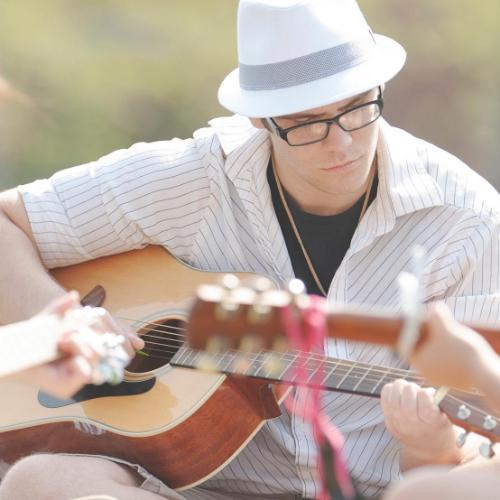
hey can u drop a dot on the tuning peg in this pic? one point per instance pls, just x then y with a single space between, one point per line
260 308
227 306
463 412
261 284
230 281
486 450
461 439
296 287
489 423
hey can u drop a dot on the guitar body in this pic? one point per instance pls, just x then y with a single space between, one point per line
176 422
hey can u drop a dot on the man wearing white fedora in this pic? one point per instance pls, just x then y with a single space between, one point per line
314 185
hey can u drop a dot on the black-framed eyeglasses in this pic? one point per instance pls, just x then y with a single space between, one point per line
315 131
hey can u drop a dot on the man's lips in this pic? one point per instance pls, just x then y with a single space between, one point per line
341 165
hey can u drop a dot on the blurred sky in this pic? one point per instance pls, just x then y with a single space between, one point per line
96 75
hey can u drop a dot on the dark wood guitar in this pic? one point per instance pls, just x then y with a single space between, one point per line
183 425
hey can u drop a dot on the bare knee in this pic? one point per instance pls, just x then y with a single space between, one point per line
21 478
417 485
443 484
50 477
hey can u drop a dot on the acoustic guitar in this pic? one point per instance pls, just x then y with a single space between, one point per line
183 425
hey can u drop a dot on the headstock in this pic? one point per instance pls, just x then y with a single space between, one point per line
471 413
251 314
236 316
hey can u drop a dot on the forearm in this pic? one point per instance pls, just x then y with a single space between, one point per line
487 379
25 285
411 459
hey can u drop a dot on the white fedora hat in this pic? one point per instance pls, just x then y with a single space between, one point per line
296 55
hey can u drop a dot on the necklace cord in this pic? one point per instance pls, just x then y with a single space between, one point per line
296 232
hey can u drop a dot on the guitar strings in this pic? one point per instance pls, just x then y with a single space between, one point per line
181 337
479 412
356 369
290 355
365 371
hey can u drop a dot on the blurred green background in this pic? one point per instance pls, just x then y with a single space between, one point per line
96 75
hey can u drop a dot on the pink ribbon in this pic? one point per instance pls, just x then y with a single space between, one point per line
307 335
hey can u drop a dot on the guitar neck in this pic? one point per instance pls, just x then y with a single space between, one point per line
329 373
462 408
382 329
243 318
28 343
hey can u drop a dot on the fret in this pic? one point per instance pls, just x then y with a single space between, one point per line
289 366
274 376
192 357
331 372
346 375
314 369
352 379
231 355
258 361
338 373
375 388
293 379
393 374
411 376
253 357
362 378
187 357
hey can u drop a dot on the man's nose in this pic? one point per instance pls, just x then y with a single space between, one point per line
337 139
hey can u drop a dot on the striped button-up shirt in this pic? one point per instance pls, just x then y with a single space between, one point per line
207 200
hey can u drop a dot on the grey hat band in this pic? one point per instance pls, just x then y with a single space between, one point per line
306 68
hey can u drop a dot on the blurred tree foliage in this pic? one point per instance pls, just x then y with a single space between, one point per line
97 75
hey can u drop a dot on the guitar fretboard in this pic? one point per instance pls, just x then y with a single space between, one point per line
318 370
337 375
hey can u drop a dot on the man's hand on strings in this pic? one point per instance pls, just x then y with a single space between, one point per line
416 421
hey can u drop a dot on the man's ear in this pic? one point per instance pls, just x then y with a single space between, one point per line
258 122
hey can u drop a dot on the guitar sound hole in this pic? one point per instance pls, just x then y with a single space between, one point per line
163 339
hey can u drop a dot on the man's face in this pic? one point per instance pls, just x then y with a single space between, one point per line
339 165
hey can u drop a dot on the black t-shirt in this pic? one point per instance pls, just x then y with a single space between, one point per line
325 237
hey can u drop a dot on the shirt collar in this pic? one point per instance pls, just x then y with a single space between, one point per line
405 186
404 179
